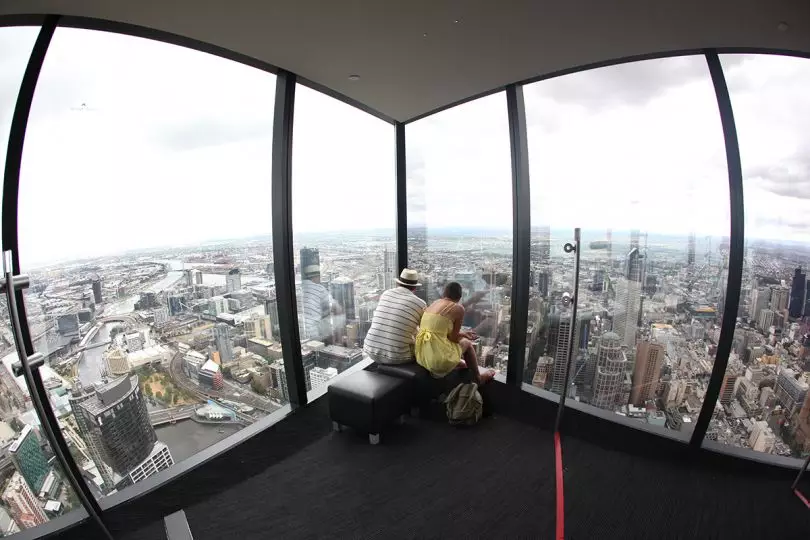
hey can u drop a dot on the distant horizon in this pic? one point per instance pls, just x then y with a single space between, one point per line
308 236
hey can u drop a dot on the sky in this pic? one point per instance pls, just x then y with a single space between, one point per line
133 144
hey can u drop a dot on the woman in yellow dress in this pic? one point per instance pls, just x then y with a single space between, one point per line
440 343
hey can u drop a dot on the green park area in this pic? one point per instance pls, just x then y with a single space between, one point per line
158 385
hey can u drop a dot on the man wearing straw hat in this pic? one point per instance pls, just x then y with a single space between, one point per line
395 323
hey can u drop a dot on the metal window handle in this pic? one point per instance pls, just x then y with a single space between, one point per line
19 283
36 361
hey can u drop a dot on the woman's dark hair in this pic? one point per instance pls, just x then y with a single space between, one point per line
453 291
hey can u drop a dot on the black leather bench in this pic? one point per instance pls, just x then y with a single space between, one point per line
422 386
368 401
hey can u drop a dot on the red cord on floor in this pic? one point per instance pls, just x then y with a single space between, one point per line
802 497
560 501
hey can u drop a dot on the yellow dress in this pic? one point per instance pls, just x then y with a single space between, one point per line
434 351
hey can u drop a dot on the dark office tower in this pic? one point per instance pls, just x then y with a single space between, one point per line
609 238
797 294
650 284
113 421
97 290
222 338
610 372
634 265
233 281
342 290
541 246
271 310
690 252
310 262
27 456
598 284
543 279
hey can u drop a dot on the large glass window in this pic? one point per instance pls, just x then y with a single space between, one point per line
633 155
32 483
460 216
764 403
144 222
344 214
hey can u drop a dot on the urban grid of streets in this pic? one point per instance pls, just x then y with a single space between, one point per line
635 287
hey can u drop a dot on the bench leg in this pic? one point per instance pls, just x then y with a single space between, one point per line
336 427
374 438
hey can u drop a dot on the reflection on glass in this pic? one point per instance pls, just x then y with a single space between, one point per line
460 216
633 154
343 224
32 484
763 403
144 224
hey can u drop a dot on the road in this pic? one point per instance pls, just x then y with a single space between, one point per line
175 413
230 392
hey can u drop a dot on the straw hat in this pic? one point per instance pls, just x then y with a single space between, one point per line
409 278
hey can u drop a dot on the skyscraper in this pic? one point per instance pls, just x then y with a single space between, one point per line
626 310
559 338
759 301
24 506
690 252
610 372
97 290
729 386
233 281
543 280
797 294
27 456
390 272
113 421
342 290
224 344
647 372
310 262
779 298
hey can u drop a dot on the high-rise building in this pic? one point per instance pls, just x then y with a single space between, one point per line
29 459
779 298
765 320
258 326
626 310
97 290
233 281
545 366
690 254
278 381
210 375
24 506
198 277
320 376
798 290
540 250
762 438
271 310
760 297
67 324
611 365
342 290
559 341
790 391
117 361
224 343
161 316
113 420
543 280
159 458
729 387
390 271
310 262
175 303
647 372
598 284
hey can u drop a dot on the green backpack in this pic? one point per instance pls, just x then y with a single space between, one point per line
464 404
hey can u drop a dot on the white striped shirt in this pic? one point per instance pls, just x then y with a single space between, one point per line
393 327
